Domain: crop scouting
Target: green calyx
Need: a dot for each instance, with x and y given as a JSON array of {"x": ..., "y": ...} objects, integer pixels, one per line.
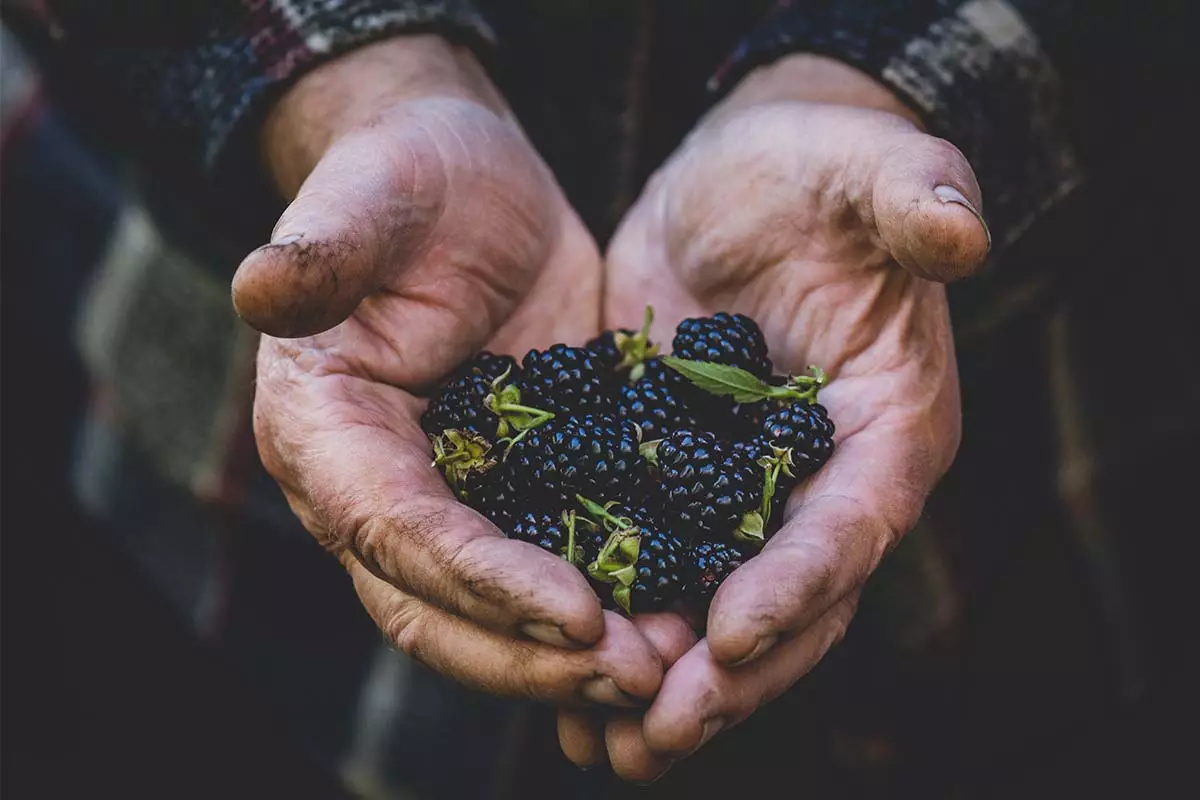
[
  {"x": 745, "y": 387},
  {"x": 649, "y": 450},
  {"x": 753, "y": 525},
  {"x": 617, "y": 561},
  {"x": 459, "y": 454},
  {"x": 504, "y": 400},
  {"x": 635, "y": 348}
]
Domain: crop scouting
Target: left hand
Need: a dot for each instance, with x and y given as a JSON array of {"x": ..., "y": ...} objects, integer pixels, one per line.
[{"x": 811, "y": 201}]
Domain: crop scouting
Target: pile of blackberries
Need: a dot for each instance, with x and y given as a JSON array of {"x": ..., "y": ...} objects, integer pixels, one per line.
[{"x": 656, "y": 475}]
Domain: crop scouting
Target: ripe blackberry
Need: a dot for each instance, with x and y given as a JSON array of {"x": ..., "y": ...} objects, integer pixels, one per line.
[
  {"x": 785, "y": 480},
  {"x": 459, "y": 404},
  {"x": 711, "y": 489},
  {"x": 644, "y": 561},
  {"x": 732, "y": 339},
  {"x": 494, "y": 495},
  {"x": 595, "y": 455},
  {"x": 711, "y": 564},
  {"x": 807, "y": 430},
  {"x": 654, "y": 407},
  {"x": 565, "y": 380}
]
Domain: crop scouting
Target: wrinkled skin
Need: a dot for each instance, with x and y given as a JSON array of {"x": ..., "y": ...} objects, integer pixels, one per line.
[
  {"x": 424, "y": 227},
  {"x": 821, "y": 222}
]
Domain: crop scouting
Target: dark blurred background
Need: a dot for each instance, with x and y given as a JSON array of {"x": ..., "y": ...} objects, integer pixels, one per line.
[{"x": 108, "y": 688}]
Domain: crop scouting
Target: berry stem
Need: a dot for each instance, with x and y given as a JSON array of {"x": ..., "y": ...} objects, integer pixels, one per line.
[
  {"x": 569, "y": 519},
  {"x": 636, "y": 348}
]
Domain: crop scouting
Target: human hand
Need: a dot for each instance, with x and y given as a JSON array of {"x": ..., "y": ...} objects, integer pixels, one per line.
[
  {"x": 811, "y": 201},
  {"x": 424, "y": 228}
]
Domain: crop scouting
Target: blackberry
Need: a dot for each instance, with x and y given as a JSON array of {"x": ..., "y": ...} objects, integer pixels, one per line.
[
  {"x": 460, "y": 402},
  {"x": 595, "y": 455},
  {"x": 623, "y": 351},
  {"x": 565, "y": 380},
  {"x": 494, "y": 495},
  {"x": 806, "y": 429},
  {"x": 711, "y": 564},
  {"x": 644, "y": 561},
  {"x": 654, "y": 407},
  {"x": 712, "y": 490},
  {"x": 732, "y": 339}
]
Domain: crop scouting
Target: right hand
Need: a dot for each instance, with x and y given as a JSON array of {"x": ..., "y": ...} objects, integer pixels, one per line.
[{"x": 424, "y": 228}]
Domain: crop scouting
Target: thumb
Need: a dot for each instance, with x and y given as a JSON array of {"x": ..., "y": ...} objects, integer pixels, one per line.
[
  {"x": 357, "y": 221},
  {"x": 927, "y": 209}
]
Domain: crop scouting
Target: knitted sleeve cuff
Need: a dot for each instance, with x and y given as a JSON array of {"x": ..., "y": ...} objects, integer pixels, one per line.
[{"x": 973, "y": 70}]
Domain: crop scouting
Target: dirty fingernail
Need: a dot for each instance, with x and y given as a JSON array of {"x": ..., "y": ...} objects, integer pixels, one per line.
[
  {"x": 547, "y": 633},
  {"x": 948, "y": 194},
  {"x": 605, "y": 691},
  {"x": 711, "y": 728},
  {"x": 764, "y": 644}
]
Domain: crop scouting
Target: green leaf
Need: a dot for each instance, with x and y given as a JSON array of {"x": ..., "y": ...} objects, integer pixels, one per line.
[{"x": 721, "y": 379}]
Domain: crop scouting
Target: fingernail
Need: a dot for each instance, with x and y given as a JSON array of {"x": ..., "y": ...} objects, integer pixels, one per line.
[
  {"x": 948, "y": 194},
  {"x": 712, "y": 727},
  {"x": 764, "y": 644},
  {"x": 547, "y": 633},
  {"x": 290, "y": 238},
  {"x": 654, "y": 779},
  {"x": 605, "y": 692}
]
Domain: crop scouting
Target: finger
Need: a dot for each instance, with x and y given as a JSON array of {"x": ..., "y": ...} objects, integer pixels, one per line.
[
  {"x": 668, "y": 633},
  {"x": 362, "y": 468},
  {"x": 620, "y": 670},
  {"x": 353, "y": 223},
  {"x": 841, "y": 524},
  {"x": 701, "y": 697},
  {"x": 630, "y": 755},
  {"x": 927, "y": 208},
  {"x": 581, "y": 737}
]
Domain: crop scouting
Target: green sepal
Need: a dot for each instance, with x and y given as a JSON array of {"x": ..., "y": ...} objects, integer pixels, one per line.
[
  {"x": 649, "y": 450},
  {"x": 621, "y": 595},
  {"x": 504, "y": 400},
  {"x": 751, "y": 528},
  {"x": 779, "y": 461},
  {"x": 459, "y": 454}
]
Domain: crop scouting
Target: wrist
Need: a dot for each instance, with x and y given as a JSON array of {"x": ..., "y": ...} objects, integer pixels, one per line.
[
  {"x": 802, "y": 77},
  {"x": 351, "y": 90}
]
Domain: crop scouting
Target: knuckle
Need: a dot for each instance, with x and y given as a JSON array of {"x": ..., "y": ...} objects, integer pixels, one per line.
[{"x": 403, "y": 628}]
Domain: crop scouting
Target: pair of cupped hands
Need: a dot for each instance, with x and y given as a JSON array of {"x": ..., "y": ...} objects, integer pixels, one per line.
[{"x": 424, "y": 227}]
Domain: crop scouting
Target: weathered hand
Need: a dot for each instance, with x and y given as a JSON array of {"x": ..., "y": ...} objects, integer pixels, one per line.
[
  {"x": 424, "y": 228},
  {"x": 825, "y": 222}
]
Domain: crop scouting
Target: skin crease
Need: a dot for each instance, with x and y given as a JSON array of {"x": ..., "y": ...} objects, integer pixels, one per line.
[
  {"x": 423, "y": 228},
  {"x": 806, "y": 201}
]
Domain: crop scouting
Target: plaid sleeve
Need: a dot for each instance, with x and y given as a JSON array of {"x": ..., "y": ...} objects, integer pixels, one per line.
[
  {"x": 975, "y": 71},
  {"x": 194, "y": 70}
]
